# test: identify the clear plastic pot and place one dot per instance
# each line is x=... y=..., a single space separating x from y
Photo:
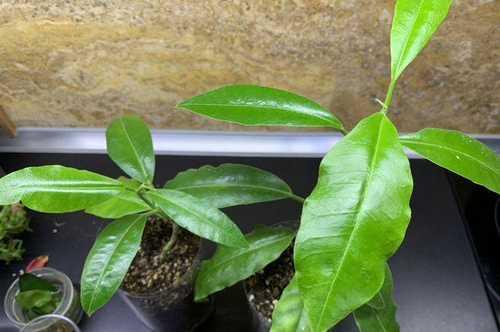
x=68 y=307
x=172 y=309
x=51 y=322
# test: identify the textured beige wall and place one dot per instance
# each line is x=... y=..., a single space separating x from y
x=84 y=62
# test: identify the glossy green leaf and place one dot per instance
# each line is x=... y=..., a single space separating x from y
x=230 y=185
x=380 y=313
x=289 y=314
x=29 y=282
x=231 y=265
x=458 y=153
x=121 y=205
x=56 y=188
x=130 y=146
x=414 y=23
x=198 y=217
x=251 y=105
x=354 y=220
x=109 y=260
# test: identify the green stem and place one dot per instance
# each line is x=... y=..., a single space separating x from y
x=388 y=98
x=297 y=198
x=171 y=242
x=3 y=212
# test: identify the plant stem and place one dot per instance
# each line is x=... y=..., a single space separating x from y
x=297 y=198
x=171 y=242
x=388 y=98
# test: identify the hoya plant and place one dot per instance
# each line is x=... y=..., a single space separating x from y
x=192 y=201
x=357 y=215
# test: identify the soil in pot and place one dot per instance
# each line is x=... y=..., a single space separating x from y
x=264 y=288
x=160 y=291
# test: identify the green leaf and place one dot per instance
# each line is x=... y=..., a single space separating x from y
x=56 y=189
x=230 y=185
x=198 y=217
x=29 y=282
x=44 y=301
x=231 y=265
x=354 y=220
x=289 y=314
x=458 y=153
x=121 y=205
x=380 y=313
x=251 y=105
x=109 y=260
x=414 y=23
x=131 y=184
x=130 y=146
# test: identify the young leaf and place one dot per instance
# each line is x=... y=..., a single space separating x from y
x=42 y=301
x=56 y=188
x=109 y=260
x=198 y=217
x=380 y=313
x=458 y=153
x=130 y=146
x=354 y=220
x=121 y=205
x=231 y=265
x=414 y=23
x=289 y=314
x=29 y=282
x=251 y=105
x=230 y=185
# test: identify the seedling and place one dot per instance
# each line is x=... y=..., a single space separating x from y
x=191 y=201
x=37 y=296
x=357 y=215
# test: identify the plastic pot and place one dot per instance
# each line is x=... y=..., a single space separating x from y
x=68 y=307
x=172 y=309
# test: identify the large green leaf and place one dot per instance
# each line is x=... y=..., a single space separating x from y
x=56 y=188
x=231 y=265
x=130 y=146
x=251 y=105
x=198 y=217
x=109 y=260
x=230 y=185
x=380 y=313
x=414 y=23
x=125 y=203
x=354 y=220
x=458 y=153
x=289 y=314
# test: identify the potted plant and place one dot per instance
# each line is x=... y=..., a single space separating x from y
x=356 y=217
x=13 y=221
x=152 y=248
x=45 y=291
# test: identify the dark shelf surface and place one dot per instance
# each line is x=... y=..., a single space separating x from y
x=437 y=283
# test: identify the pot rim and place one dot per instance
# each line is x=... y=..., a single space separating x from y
x=67 y=290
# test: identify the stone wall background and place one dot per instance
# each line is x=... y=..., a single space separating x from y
x=85 y=62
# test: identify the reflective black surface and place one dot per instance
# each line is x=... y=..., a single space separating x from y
x=480 y=209
x=437 y=283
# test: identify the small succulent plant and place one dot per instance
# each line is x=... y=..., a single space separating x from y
x=13 y=221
